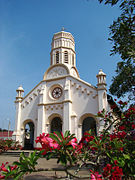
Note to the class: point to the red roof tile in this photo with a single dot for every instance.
(5, 134)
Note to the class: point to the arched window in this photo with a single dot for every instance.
(65, 57)
(89, 123)
(56, 125)
(73, 60)
(57, 57)
(29, 136)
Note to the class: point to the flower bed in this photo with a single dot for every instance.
(9, 144)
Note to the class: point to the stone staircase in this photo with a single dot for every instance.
(16, 153)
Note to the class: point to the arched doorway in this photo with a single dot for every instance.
(29, 136)
(89, 123)
(56, 124)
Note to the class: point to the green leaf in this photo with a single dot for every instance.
(17, 163)
(126, 156)
(66, 134)
(32, 155)
(49, 155)
(19, 175)
(63, 159)
(54, 137)
(70, 147)
(59, 135)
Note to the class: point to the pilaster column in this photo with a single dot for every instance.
(74, 124)
(79, 132)
(41, 112)
(67, 108)
(17, 131)
(66, 116)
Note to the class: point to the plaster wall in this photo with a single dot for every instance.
(30, 111)
(84, 99)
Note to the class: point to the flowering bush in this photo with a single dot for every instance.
(10, 171)
(18, 169)
(109, 156)
(59, 145)
(9, 144)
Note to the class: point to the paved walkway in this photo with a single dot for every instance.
(42, 163)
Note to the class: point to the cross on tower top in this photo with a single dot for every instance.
(62, 29)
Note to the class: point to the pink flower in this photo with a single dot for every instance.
(122, 128)
(95, 176)
(2, 177)
(45, 141)
(53, 143)
(122, 134)
(121, 149)
(73, 142)
(133, 126)
(13, 167)
(79, 148)
(113, 136)
(2, 167)
(117, 173)
(115, 162)
(107, 170)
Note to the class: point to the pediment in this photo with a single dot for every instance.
(56, 71)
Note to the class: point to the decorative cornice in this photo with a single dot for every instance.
(102, 88)
(18, 101)
(70, 76)
(54, 103)
(32, 90)
(62, 47)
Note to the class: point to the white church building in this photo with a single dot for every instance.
(61, 101)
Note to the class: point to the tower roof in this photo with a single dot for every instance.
(20, 88)
(63, 34)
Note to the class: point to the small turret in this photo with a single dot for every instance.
(101, 78)
(102, 96)
(20, 92)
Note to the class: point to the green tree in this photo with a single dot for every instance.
(122, 36)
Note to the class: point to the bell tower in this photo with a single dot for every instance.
(63, 49)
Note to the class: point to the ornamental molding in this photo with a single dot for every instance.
(54, 107)
(30, 97)
(54, 103)
(55, 71)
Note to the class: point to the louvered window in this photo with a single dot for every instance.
(65, 57)
(73, 60)
(57, 57)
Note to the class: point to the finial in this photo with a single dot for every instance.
(62, 29)
(101, 72)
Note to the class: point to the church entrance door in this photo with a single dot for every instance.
(29, 136)
(56, 124)
(89, 123)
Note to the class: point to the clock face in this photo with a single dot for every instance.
(57, 92)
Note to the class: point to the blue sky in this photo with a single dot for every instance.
(26, 31)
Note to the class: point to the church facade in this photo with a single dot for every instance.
(61, 101)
